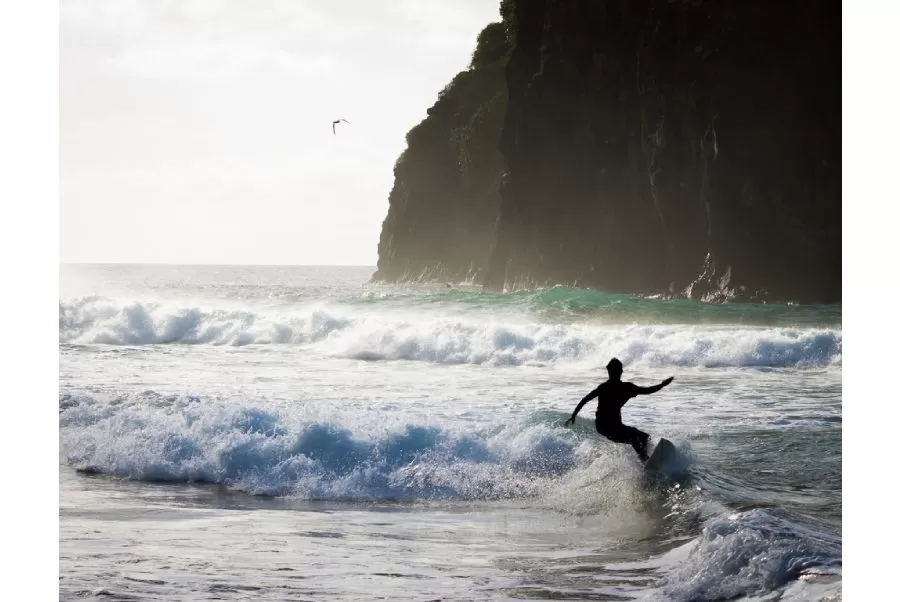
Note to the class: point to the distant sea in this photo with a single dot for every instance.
(298, 433)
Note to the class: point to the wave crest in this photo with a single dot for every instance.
(272, 451)
(747, 553)
(95, 320)
(450, 341)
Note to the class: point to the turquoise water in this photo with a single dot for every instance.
(568, 304)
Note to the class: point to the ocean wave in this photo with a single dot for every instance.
(266, 450)
(378, 337)
(95, 320)
(561, 301)
(754, 553)
(455, 342)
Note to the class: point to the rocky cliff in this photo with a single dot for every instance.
(443, 208)
(649, 146)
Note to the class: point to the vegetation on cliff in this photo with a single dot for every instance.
(445, 199)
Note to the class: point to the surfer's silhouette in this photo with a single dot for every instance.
(611, 396)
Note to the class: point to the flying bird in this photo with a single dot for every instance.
(335, 122)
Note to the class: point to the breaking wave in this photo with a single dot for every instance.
(754, 553)
(271, 450)
(443, 340)
(266, 450)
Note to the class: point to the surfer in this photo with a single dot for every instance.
(611, 396)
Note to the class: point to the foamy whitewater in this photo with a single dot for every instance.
(299, 433)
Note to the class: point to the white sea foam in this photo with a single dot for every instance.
(341, 333)
(271, 450)
(749, 553)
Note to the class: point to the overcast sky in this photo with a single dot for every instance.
(199, 131)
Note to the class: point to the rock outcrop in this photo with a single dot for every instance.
(690, 148)
(446, 196)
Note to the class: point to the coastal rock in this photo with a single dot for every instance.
(681, 148)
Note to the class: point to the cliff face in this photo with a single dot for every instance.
(446, 196)
(656, 146)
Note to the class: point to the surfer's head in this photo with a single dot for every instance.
(614, 367)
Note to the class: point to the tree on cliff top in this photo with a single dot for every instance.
(491, 46)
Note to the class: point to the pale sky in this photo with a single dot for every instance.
(199, 131)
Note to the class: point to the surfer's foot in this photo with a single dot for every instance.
(641, 447)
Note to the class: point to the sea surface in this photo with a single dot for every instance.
(299, 433)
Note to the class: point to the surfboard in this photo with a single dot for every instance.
(663, 456)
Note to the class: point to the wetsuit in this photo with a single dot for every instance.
(611, 396)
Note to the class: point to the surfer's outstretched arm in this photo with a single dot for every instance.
(654, 388)
(581, 403)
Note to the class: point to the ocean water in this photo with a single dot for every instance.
(298, 433)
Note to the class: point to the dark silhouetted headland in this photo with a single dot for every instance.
(446, 197)
(655, 147)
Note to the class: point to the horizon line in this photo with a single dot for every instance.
(256, 265)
